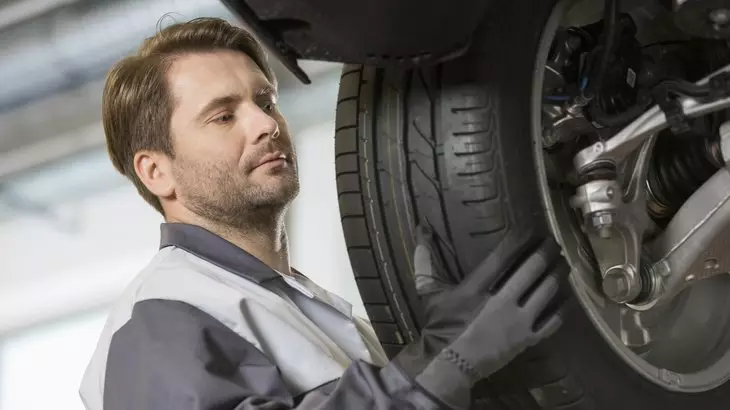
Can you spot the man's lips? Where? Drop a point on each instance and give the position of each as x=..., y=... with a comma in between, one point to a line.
x=271, y=157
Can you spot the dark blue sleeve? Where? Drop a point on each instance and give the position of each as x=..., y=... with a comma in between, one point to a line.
x=173, y=356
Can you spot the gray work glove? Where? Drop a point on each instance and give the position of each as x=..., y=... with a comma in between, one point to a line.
x=476, y=327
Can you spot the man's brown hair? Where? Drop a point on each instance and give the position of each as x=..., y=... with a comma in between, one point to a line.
x=137, y=106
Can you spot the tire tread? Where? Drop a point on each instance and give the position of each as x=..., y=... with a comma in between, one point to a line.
x=430, y=185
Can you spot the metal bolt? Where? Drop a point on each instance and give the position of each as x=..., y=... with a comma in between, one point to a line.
x=603, y=222
x=576, y=108
x=604, y=232
x=720, y=16
x=617, y=285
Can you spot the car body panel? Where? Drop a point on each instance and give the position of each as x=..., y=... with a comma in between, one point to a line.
x=374, y=32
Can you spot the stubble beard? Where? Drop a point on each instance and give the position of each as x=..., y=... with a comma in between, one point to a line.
x=229, y=200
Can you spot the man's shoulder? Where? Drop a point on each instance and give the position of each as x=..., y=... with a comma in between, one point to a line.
x=177, y=274
x=173, y=281
x=173, y=292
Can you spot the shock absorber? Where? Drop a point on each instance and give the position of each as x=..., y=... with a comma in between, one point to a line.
x=678, y=167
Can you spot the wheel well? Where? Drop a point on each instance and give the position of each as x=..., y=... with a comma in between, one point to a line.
x=371, y=32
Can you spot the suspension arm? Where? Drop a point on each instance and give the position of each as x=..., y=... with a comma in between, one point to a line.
x=651, y=122
x=694, y=244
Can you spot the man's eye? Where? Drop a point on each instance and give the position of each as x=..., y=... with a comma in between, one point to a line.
x=222, y=119
x=269, y=107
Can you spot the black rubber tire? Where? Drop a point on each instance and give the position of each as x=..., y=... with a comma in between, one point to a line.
x=452, y=145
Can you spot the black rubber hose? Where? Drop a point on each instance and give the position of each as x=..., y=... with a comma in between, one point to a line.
x=686, y=88
x=610, y=21
x=644, y=100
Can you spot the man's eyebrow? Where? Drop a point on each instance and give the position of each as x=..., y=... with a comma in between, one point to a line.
x=266, y=90
x=223, y=101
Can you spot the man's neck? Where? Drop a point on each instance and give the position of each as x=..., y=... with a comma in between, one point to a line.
x=268, y=243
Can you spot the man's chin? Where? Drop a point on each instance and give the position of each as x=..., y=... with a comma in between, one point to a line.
x=269, y=176
x=281, y=189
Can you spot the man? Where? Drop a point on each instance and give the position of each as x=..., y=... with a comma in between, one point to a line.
x=218, y=319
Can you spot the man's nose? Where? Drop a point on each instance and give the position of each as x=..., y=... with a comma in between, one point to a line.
x=261, y=126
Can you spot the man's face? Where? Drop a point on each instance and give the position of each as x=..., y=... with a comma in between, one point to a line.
x=234, y=158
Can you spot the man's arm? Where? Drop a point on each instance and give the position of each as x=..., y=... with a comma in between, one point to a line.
x=173, y=356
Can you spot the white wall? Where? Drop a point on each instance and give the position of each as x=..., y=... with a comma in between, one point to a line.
x=48, y=273
x=41, y=368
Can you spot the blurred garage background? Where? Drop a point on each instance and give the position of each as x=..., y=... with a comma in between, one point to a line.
x=72, y=231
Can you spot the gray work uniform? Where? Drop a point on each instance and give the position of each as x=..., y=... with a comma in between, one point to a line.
x=208, y=326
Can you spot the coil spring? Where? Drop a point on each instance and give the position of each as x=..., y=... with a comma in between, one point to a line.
x=678, y=167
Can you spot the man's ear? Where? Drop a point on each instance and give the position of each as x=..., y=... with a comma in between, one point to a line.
x=154, y=169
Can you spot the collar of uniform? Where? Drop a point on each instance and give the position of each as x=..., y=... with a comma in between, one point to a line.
x=216, y=250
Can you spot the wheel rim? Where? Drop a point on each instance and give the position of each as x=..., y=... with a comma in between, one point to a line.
x=683, y=347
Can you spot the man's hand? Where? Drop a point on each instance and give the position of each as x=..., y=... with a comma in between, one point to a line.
x=476, y=327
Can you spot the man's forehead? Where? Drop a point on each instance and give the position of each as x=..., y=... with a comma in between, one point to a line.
x=214, y=72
